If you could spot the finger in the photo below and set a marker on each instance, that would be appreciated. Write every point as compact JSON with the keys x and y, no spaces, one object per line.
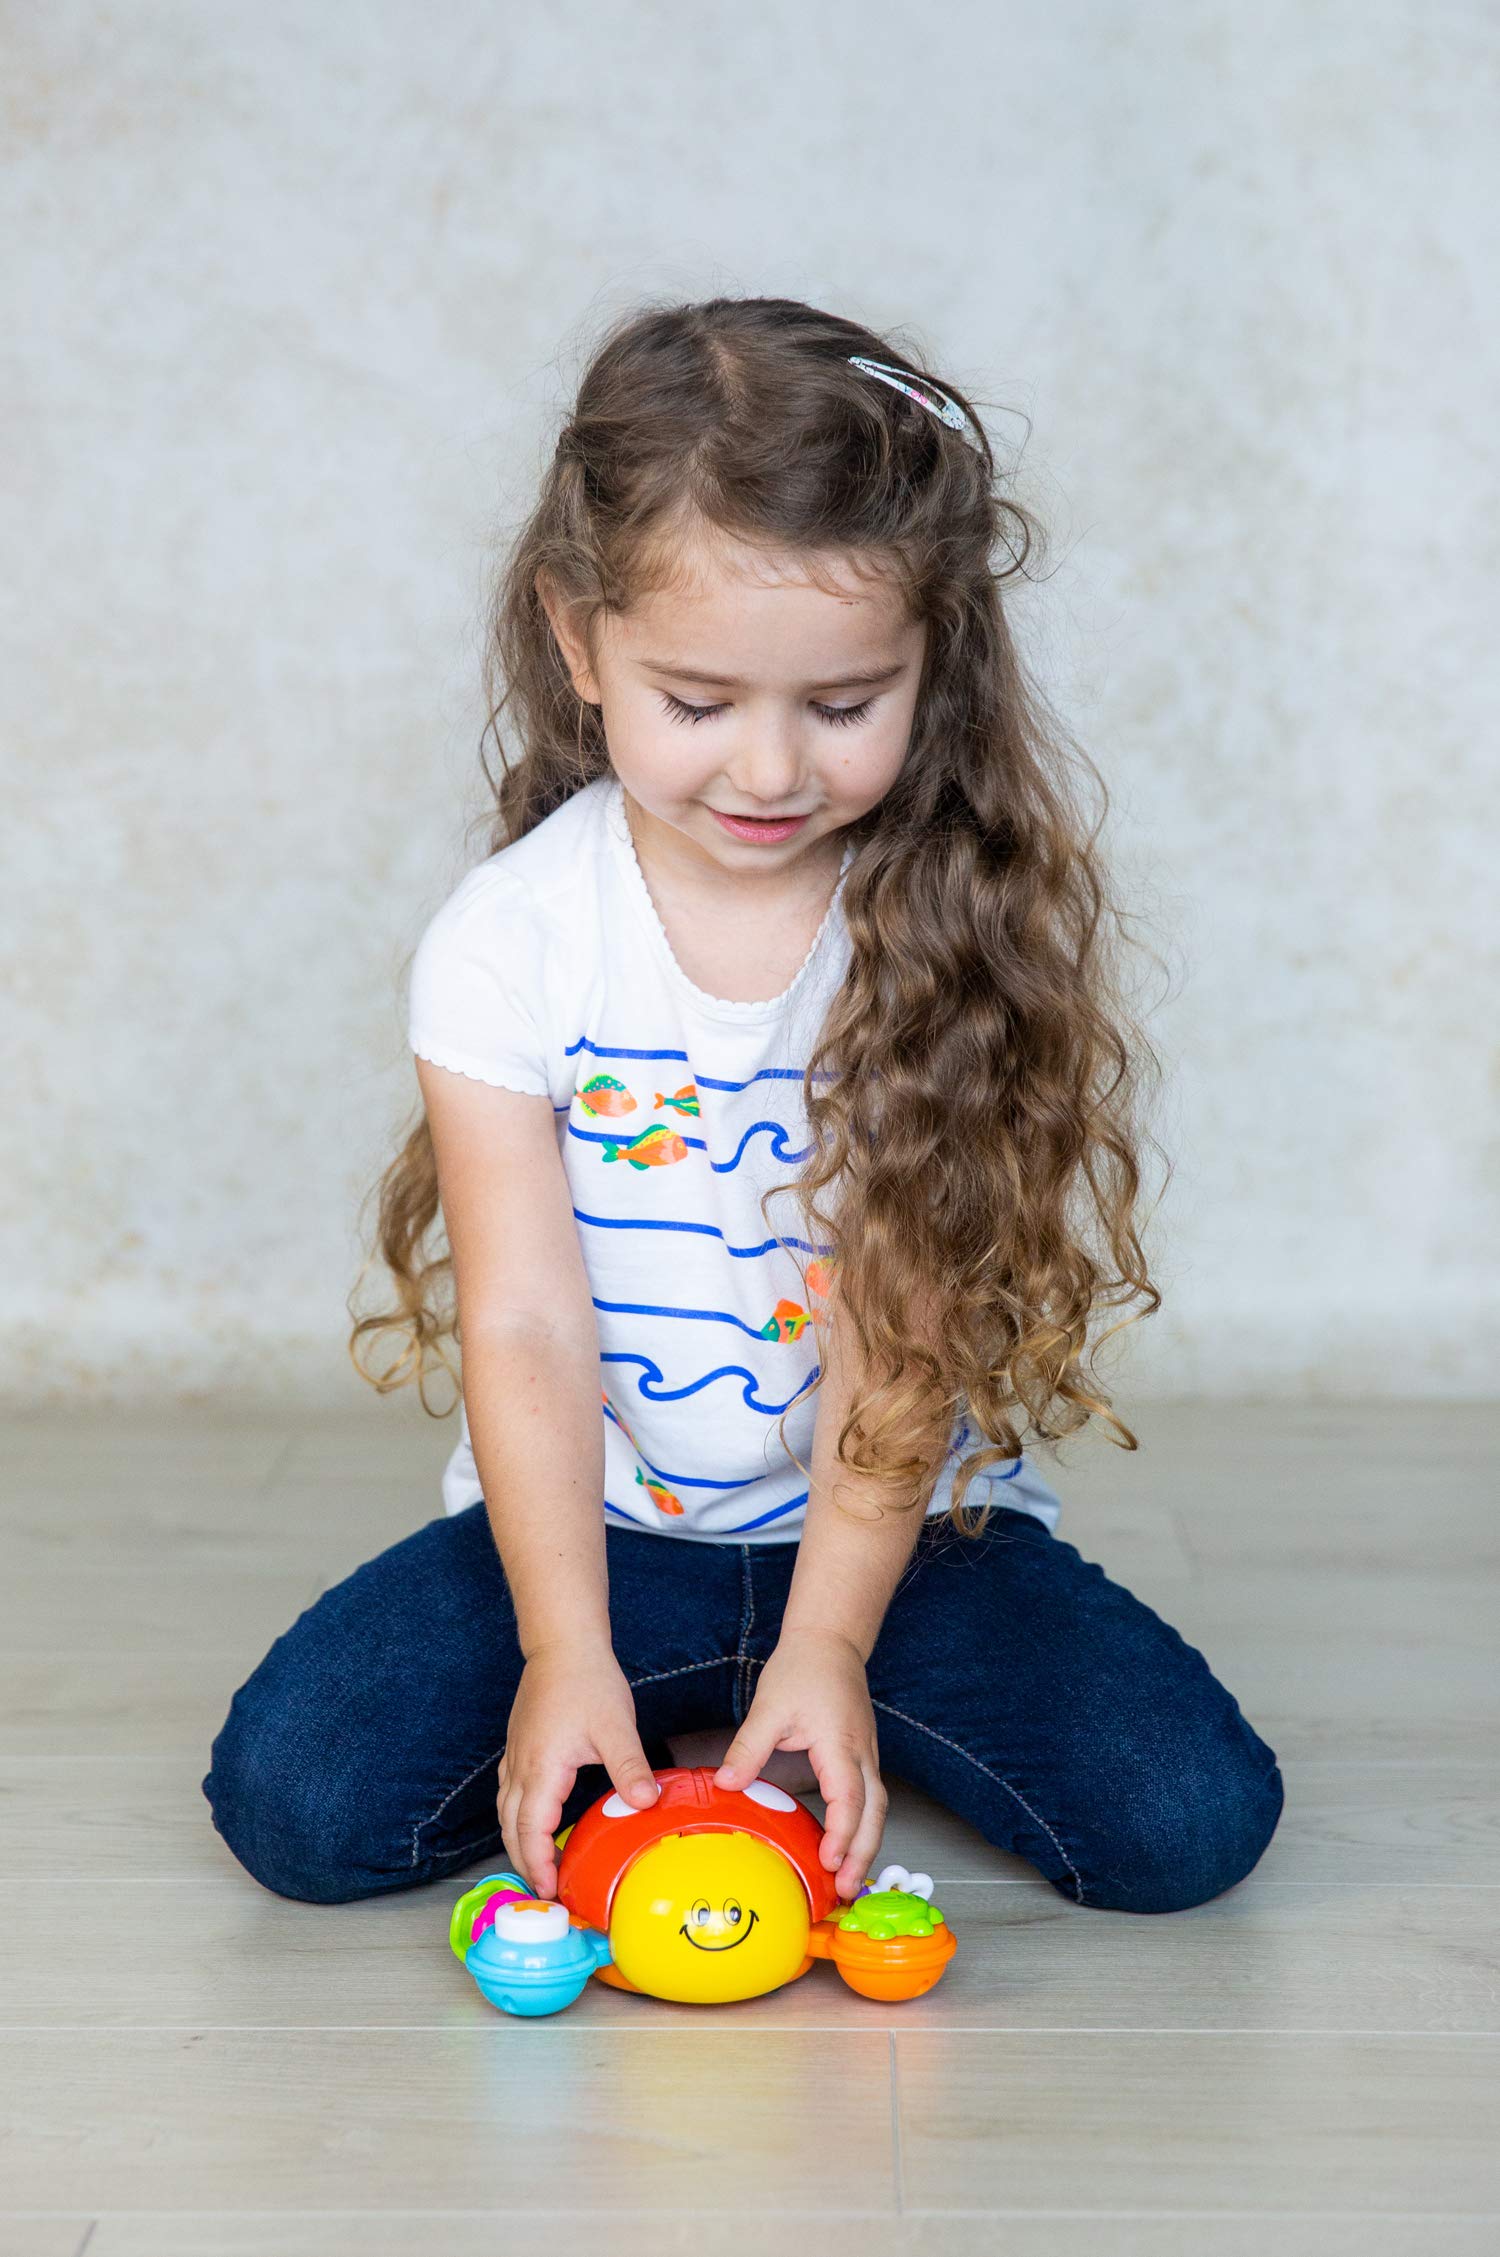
{"x":860,"y":1858}
{"x":625,"y":1761}
{"x":747,"y":1753}
{"x":508,"y":1809}
{"x":841,"y":1782}
{"x":540,"y":1813}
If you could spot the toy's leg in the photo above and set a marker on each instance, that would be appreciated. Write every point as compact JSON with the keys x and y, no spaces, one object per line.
{"x":1065,"y":1721}
{"x":611,"y":1974}
{"x":476,"y":1908}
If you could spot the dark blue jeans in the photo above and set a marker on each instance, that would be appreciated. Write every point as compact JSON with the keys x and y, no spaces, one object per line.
{"x":1011,"y":1680}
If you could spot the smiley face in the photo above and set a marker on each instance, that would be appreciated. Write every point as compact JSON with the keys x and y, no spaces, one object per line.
{"x":718,"y":1927}
{"x":709,"y":1917}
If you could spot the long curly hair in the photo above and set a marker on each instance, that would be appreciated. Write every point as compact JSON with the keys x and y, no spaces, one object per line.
{"x":974,"y":1095}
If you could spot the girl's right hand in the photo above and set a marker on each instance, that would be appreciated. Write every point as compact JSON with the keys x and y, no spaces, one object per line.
{"x":572,"y":1707}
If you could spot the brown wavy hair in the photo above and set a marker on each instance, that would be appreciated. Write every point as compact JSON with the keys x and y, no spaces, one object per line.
{"x":974,"y":1093}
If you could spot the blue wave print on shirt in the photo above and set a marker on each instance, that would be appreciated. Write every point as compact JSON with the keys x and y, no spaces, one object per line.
{"x":774,"y":1513}
{"x":704,"y":1081}
{"x":705,"y":1230}
{"x":688,"y":1316}
{"x":664,"y":1487}
{"x":739,"y":1528}
{"x":676,"y":1480}
{"x":654,"y":1391}
{"x":650,"y":1384}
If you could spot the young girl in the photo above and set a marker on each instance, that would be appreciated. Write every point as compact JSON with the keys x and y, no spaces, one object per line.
{"x":786,"y":898}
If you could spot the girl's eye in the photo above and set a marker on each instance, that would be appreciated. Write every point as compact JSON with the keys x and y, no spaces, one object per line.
{"x":838,"y":716}
{"x":681,"y":712}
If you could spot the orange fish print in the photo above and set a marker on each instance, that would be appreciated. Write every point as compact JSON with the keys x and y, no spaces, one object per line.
{"x":786,"y":1322}
{"x":819,"y":1278}
{"x":606,"y":1095}
{"x":655,"y":1147}
{"x":663,"y":1499}
{"x":686,"y":1101}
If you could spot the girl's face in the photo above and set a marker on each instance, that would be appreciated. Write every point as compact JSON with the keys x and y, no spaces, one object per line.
{"x":753,"y":693}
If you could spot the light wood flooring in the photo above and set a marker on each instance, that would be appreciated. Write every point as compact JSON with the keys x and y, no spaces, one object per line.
{"x":1311,"y":2064}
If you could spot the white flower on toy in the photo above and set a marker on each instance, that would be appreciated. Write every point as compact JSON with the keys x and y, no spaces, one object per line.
{"x":897,"y":1877}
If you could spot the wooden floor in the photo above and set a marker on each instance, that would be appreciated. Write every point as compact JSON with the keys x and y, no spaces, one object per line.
{"x":1311,"y":2064}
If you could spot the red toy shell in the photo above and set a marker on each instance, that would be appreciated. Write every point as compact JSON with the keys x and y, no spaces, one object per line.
{"x":599,"y":1848}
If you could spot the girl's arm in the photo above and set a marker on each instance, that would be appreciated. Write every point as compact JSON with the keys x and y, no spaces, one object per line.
{"x":531,"y":1390}
{"x":530,"y":1349}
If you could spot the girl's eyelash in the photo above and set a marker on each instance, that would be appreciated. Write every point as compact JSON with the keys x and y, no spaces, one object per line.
{"x":838,"y":716}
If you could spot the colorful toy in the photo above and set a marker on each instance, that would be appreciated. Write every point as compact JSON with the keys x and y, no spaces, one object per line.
{"x":709,"y":1894}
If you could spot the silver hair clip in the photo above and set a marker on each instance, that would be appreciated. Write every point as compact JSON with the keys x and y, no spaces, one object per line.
{"x":951,"y":413}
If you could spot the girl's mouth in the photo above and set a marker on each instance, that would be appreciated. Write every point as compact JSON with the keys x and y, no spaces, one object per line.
{"x":765,"y":834}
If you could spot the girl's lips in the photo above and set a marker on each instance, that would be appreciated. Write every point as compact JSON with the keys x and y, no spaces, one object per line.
{"x":765,"y":834}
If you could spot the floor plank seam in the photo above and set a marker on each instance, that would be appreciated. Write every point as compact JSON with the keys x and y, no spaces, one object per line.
{"x":896,"y":2171}
{"x":763,"y":2029}
{"x":275,"y":1470}
{"x":234,"y":1880}
{"x":530,"y":2214}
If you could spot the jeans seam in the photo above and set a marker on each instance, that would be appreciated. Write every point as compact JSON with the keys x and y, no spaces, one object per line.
{"x":747,"y":1620}
{"x":420,"y":1828}
{"x":684,"y":1669}
{"x":495,"y":1839}
{"x":434,"y":1815}
{"x":1034,"y":1815}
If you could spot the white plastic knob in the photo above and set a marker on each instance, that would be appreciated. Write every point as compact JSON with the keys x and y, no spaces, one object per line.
{"x":531,"y":1923}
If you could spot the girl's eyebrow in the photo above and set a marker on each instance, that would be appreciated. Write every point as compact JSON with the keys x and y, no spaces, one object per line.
{"x":735,"y":682}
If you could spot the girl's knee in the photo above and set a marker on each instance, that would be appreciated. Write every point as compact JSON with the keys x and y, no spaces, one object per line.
{"x":326,"y":1779}
{"x":1195,"y":1829}
{"x":286,"y":1798}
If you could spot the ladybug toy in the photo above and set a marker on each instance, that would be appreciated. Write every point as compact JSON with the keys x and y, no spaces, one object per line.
{"x":710,"y":1894}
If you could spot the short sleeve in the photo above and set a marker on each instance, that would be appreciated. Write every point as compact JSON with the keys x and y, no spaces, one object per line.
{"x":476,"y":1003}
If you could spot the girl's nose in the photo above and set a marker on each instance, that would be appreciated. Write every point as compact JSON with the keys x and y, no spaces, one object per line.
{"x":769,"y":783}
{"x":770,"y":768}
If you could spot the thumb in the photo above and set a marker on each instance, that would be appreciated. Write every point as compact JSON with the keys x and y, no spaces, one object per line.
{"x":625,"y":1761}
{"x":745,"y":1755}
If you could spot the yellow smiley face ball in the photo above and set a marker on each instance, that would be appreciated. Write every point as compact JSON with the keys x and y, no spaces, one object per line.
{"x":709,"y":1917}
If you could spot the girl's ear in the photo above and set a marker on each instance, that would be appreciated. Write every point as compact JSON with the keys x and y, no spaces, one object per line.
{"x":569,"y":641}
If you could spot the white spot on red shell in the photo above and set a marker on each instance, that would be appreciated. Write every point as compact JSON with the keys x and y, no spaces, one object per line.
{"x":617,"y":1807}
{"x":769,"y":1797}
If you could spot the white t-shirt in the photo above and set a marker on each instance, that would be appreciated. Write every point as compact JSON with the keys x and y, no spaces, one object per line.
{"x":548,"y":969}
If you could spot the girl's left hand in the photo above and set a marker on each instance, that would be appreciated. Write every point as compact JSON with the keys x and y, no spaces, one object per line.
{"x":812,"y":1695}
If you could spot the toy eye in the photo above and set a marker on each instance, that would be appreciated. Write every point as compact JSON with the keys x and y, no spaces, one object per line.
{"x":732,"y":1913}
{"x":700,"y":1914}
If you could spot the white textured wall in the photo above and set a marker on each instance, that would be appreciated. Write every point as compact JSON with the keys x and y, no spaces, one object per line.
{"x":298,"y":294}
